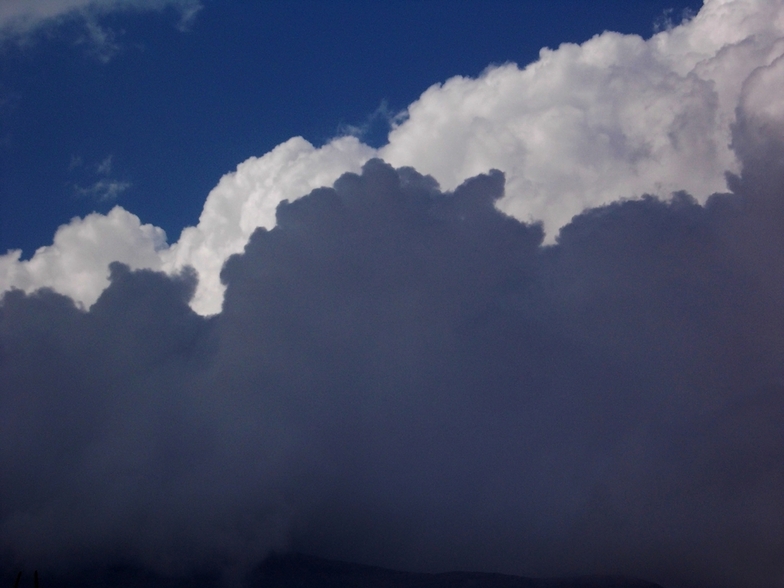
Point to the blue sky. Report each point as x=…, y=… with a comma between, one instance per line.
x=175, y=110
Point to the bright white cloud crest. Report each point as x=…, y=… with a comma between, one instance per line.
x=75, y=264
x=585, y=125
x=247, y=198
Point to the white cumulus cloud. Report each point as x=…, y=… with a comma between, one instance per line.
x=247, y=198
x=616, y=117
x=76, y=264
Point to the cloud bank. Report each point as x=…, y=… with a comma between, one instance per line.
x=585, y=125
x=407, y=377
x=403, y=374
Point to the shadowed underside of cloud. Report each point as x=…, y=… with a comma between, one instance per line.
x=615, y=117
x=407, y=377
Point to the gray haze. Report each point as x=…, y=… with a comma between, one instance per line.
x=406, y=377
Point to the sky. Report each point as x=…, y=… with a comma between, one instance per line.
x=172, y=111
x=429, y=285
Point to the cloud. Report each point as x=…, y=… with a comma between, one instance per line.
x=19, y=18
x=246, y=199
x=381, y=116
x=617, y=116
x=105, y=188
x=105, y=167
x=77, y=263
x=102, y=41
x=585, y=125
x=403, y=375
x=408, y=377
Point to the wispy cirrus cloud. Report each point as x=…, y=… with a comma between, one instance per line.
x=21, y=18
x=102, y=186
x=104, y=189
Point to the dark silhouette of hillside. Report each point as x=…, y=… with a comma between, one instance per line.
x=302, y=571
x=305, y=571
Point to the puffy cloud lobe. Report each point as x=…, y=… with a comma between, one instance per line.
x=246, y=199
x=76, y=264
x=760, y=125
x=617, y=116
x=408, y=377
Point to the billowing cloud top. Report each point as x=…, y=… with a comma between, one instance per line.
x=615, y=117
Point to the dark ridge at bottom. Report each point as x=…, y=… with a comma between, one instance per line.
x=305, y=571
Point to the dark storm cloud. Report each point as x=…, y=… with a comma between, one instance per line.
x=407, y=377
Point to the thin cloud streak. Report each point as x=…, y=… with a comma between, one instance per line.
x=104, y=189
x=19, y=18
